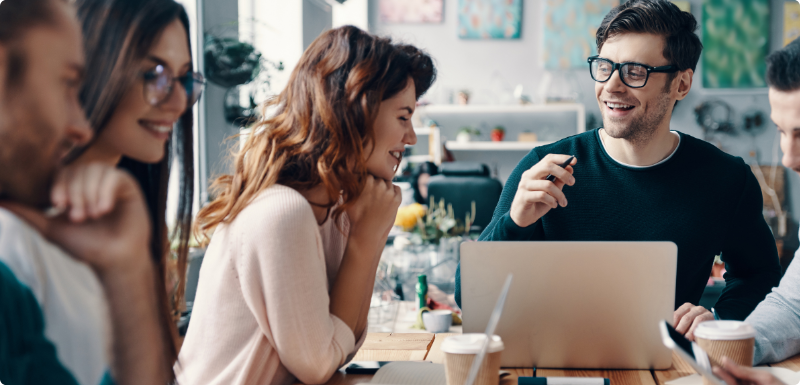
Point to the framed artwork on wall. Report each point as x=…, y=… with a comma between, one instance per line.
x=735, y=43
x=684, y=6
x=569, y=31
x=411, y=11
x=489, y=19
x=791, y=22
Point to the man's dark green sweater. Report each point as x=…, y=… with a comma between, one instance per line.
x=702, y=199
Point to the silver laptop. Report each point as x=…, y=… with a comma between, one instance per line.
x=591, y=305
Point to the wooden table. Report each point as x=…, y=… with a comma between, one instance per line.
x=425, y=346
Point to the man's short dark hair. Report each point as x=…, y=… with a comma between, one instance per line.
x=682, y=47
x=16, y=18
x=783, y=67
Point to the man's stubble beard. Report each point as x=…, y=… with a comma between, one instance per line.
x=27, y=171
x=640, y=130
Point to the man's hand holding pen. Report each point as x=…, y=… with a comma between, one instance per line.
x=537, y=194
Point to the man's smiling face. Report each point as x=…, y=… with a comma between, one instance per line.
x=635, y=113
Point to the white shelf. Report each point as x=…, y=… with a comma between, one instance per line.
x=488, y=109
x=492, y=146
x=418, y=158
x=434, y=110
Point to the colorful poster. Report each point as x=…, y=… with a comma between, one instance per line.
x=569, y=31
x=736, y=42
x=684, y=6
x=411, y=11
x=489, y=19
x=791, y=22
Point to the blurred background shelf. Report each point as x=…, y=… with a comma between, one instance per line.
x=492, y=146
x=441, y=111
x=500, y=109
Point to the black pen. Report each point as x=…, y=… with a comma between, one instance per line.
x=552, y=177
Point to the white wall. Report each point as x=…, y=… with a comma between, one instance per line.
x=174, y=182
x=277, y=32
x=352, y=12
x=471, y=64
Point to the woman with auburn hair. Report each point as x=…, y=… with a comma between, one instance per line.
x=299, y=228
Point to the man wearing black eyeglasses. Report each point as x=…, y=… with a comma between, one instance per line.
x=638, y=179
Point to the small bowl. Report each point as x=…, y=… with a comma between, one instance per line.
x=437, y=321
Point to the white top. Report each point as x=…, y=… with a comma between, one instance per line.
x=777, y=319
x=261, y=314
x=652, y=165
x=724, y=330
x=70, y=296
x=471, y=343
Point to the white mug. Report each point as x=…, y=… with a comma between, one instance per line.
x=437, y=321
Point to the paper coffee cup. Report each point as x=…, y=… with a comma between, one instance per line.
x=460, y=351
x=733, y=339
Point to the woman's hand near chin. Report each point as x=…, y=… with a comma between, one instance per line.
x=371, y=218
x=372, y=215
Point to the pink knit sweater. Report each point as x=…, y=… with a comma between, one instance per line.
x=261, y=313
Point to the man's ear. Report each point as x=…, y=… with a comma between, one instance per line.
x=684, y=80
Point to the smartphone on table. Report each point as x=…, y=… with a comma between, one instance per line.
x=364, y=367
x=691, y=352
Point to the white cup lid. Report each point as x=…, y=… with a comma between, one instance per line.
x=471, y=343
x=724, y=330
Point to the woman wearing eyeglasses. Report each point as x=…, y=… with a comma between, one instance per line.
x=138, y=92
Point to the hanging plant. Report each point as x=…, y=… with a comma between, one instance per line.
x=230, y=62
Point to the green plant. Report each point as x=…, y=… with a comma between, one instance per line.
x=439, y=222
x=230, y=62
x=470, y=130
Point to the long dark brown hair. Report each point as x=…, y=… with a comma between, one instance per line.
x=324, y=119
x=118, y=35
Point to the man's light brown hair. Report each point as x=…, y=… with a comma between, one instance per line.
x=17, y=17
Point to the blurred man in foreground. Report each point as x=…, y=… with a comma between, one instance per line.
x=103, y=230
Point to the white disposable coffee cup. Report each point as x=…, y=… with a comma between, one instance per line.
x=460, y=351
x=437, y=321
x=732, y=339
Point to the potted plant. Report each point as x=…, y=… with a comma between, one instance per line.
x=230, y=62
x=428, y=225
x=463, y=97
x=498, y=133
x=233, y=64
x=466, y=133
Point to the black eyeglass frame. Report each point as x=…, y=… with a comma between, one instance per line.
x=197, y=79
x=618, y=66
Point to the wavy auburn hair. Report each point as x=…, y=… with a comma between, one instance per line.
x=322, y=123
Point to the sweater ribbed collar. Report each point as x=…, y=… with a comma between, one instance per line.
x=602, y=143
